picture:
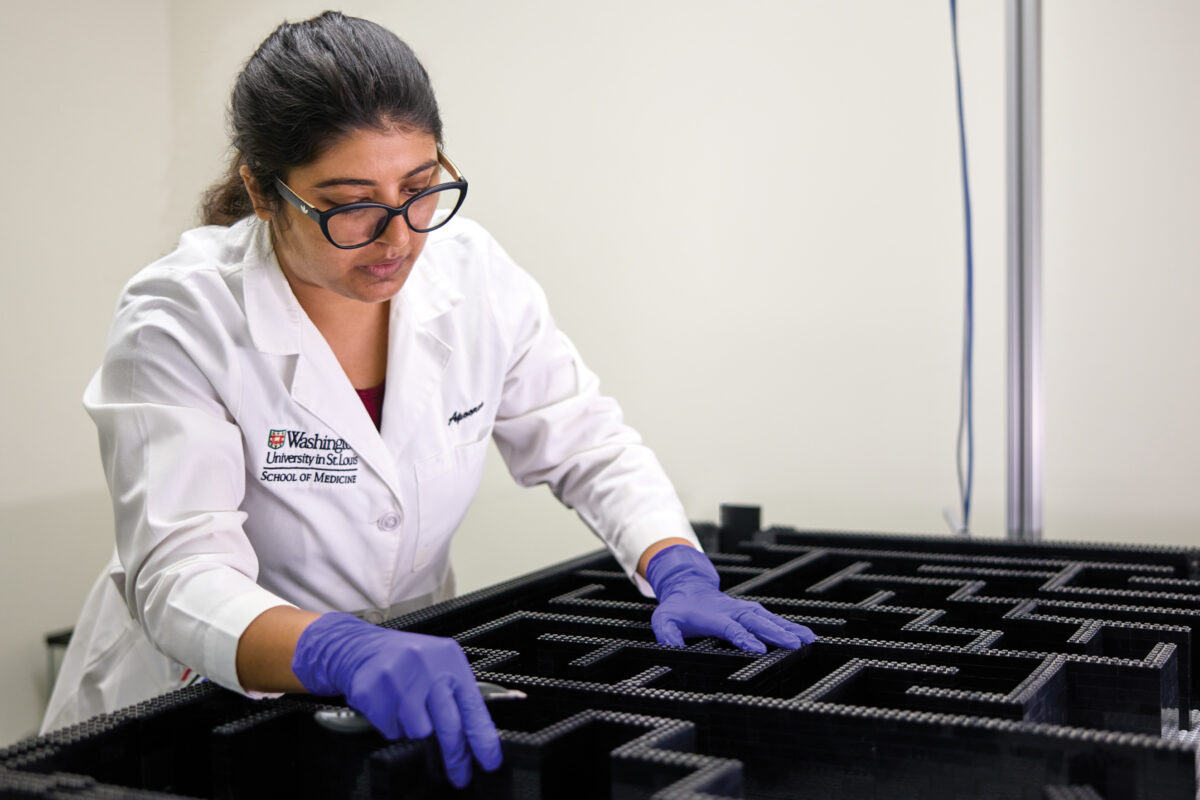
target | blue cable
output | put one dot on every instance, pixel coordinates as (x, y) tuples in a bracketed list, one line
[(966, 418)]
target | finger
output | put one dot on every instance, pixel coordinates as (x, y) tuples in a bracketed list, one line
[(414, 716), (739, 637), (666, 630), (477, 722), (385, 719), (803, 633), (378, 699), (448, 725), (768, 631)]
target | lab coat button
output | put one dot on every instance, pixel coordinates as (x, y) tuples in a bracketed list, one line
[(389, 521), (373, 617)]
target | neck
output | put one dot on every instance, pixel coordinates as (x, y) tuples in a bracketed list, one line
[(332, 313), (356, 332)]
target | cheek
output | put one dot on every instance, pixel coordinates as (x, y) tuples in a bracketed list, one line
[(304, 251), (307, 238)]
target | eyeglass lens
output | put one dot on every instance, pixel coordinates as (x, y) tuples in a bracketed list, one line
[(358, 225)]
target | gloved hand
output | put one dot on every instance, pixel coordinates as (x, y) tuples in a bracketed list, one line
[(407, 684), (690, 604)]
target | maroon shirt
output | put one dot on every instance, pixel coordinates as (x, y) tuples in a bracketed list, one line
[(373, 399)]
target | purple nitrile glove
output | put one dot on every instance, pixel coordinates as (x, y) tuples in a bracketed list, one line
[(407, 684), (690, 604)]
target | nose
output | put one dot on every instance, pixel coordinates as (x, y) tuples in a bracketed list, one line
[(396, 233)]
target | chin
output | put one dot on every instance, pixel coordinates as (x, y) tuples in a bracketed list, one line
[(382, 291)]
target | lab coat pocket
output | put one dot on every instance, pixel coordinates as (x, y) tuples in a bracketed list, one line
[(446, 484)]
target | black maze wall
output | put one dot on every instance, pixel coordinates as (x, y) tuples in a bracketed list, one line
[(944, 669)]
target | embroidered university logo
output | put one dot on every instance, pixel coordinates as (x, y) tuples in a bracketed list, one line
[(304, 457), (459, 416)]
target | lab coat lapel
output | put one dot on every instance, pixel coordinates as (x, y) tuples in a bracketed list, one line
[(417, 358), (320, 386)]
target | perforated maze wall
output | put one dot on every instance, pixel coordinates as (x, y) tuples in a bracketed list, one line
[(944, 669)]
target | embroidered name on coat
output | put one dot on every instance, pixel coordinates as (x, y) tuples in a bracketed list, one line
[(459, 416)]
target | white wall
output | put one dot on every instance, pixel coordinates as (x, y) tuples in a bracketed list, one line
[(749, 222), (1122, 270), (85, 145)]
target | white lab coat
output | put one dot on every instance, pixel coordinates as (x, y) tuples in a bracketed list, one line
[(246, 473)]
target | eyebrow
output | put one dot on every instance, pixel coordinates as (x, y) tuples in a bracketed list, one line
[(367, 182)]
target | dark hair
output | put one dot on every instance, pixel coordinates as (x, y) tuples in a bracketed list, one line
[(308, 84)]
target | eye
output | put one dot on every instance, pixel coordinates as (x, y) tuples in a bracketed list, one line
[(356, 213), (345, 201)]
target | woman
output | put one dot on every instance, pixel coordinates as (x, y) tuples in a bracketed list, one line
[(295, 406)]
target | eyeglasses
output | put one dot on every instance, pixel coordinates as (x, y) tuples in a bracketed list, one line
[(358, 224)]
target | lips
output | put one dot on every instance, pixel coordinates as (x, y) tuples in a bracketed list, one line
[(384, 269)]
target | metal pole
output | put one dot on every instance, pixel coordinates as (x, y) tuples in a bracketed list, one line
[(1025, 410)]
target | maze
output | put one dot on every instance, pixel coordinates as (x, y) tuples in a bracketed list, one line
[(945, 668)]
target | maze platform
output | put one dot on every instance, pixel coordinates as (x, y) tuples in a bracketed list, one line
[(945, 668)]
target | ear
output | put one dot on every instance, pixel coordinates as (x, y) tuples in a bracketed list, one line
[(262, 208)]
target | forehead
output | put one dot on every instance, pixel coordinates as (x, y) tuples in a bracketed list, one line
[(382, 156)]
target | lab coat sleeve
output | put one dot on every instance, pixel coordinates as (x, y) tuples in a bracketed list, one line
[(175, 468), (553, 426)]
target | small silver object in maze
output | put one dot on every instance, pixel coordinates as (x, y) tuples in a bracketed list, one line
[(343, 720), (347, 720), (494, 691)]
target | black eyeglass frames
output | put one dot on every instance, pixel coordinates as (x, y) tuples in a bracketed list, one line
[(358, 224)]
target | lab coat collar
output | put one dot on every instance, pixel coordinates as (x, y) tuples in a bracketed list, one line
[(273, 314), (427, 293)]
